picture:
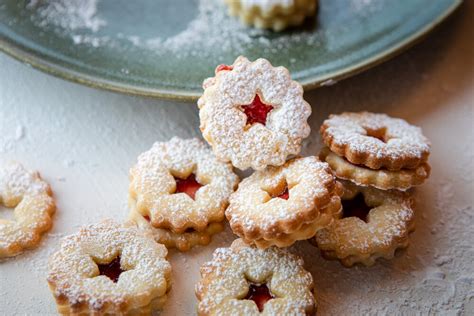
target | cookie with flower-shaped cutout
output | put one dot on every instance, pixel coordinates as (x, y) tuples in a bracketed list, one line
[(376, 140), (382, 179), (374, 224), (244, 280), (253, 115), (109, 269), (181, 187), (31, 198), (280, 205), (272, 14)]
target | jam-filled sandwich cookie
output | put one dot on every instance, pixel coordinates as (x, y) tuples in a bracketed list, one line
[(243, 280), (375, 223), (33, 205), (281, 205), (272, 14), (376, 150), (109, 269), (182, 190), (253, 114)]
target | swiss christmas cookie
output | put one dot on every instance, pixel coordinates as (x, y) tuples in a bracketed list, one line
[(253, 114), (374, 224), (31, 198), (243, 280), (180, 189), (272, 14), (109, 269), (376, 150), (280, 205)]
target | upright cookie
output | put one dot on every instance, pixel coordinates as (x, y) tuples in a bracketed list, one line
[(31, 198), (243, 280), (181, 187), (109, 269), (253, 114), (272, 14)]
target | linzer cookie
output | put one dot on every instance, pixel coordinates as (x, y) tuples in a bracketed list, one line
[(243, 280), (31, 198), (181, 187), (374, 224), (375, 150), (253, 115), (183, 241), (109, 269), (272, 14), (280, 205)]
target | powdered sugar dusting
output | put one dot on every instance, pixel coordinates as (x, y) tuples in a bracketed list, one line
[(31, 197), (153, 185), (74, 276), (254, 214), (351, 240), (225, 281), (68, 14), (224, 125), (349, 135)]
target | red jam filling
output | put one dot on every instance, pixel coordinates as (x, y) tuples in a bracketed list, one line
[(147, 218), (284, 195), (223, 67), (260, 294), (257, 111), (188, 185), (112, 270), (356, 207)]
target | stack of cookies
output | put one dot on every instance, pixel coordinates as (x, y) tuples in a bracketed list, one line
[(379, 158)]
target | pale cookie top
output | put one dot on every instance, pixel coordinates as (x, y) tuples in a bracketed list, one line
[(74, 272), (257, 209), (270, 132), (25, 191), (153, 183), (386, 227), (375, 140), (227, 277)]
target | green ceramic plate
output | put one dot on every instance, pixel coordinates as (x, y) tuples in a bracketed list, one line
[(166, 48)]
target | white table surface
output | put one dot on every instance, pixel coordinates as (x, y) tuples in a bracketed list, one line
[(83, 142)]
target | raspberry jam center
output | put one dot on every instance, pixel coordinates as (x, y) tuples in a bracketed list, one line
[(283, 195), (260, 294), (189, 185), (257, 111), (112, 270), (356, 207), (223, 67)]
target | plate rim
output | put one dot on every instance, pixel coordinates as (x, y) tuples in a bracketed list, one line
[(34, 59)]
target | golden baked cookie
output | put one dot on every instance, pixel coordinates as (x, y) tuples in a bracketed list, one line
[(375, 223), (180, 185), (109, 269), (244, 280), (253, 115), (33, 205), (327, 215), (184, 241), (283, 202), (383, 179), (376, 140), (272, 14)]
